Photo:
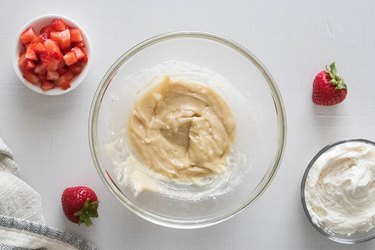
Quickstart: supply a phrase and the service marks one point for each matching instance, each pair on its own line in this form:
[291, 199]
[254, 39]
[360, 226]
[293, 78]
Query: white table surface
[294, 39]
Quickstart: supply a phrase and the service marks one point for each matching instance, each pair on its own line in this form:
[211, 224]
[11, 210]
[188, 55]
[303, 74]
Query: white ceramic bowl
[37, 23]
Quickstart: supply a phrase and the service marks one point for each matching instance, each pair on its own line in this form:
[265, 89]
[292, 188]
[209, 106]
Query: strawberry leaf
[336, 79]
[89, 210]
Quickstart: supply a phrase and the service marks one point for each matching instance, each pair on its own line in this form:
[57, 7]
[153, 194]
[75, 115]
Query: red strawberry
[80, 204]
[329, 88]
[79, 53]
[76, 68]
[52, 75]
[37, 47]
[30, 54]
[70, 58]
[29, 65]
[58, 24]
[28, 35]
[65, 39]
[75, 35]
[46, 85]
[64, 80]
[34, 79]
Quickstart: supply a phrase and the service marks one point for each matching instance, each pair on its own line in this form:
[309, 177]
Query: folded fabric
[17, 199]
[21, 218]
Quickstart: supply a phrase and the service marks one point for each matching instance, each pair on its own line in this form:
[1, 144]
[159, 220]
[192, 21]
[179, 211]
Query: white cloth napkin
[21, 217]
[17, 199]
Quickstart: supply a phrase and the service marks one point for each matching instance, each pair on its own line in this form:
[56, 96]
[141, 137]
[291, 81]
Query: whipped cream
[340, 188]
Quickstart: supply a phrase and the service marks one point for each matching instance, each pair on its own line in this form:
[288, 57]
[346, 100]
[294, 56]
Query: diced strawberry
[70, 58]
[63, 70]
[51, 45]
[29, 65]
[30, 77]
[44, 32]
[55, 35]
[46, 85]
[27, 36]
[22, 61]
[45, 29]
[64, 80]
[79, 53]
[30, 54]
[53, 49]
[44, 36]
[65, 39]
[58, 24]
[78, 44]
[22, 52]
[75, 35]
[76, 68]
[42, 77]
[62, 38]
[40, 69]
[52, 75]
[37, 47]
[49, 60]
[37, 39]
[84, 59]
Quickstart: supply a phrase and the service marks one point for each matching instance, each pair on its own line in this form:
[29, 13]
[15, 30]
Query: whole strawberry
[80, 204]
[329, 88]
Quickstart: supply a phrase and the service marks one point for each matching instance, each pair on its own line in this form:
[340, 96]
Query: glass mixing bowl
[234, 73]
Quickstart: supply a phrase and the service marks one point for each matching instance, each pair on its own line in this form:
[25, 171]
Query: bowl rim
[267, 178]
[335, 238]
[78, 79]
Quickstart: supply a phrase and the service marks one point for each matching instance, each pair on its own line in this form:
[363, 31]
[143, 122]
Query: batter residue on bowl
[182, 130]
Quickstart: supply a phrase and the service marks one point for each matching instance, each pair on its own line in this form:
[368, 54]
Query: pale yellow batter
[182, 130]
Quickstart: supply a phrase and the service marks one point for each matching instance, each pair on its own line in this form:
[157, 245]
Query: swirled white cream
[340, 188]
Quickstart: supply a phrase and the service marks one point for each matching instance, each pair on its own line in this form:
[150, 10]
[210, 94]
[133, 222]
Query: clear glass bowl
[340, 238]
[251, 93]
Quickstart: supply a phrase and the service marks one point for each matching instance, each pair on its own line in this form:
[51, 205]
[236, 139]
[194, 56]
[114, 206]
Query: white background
[294, 39]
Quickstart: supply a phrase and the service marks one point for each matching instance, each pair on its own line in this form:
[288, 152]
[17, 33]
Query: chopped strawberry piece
[37, 47]
[40, 69]
[52, 75]
[22, 61]
[75, 35]
[44, 32]
[45, 29]
[29, 65]
[76, 68]
[65, 39]
[70, 58]
[37, 39]
[63, 70]
[49, 60]
[62, 38]
[55, 36]
[44, 36]
[79, 53]
[30, 54]
[53, 49]
[58, 24]
[84, 59]
[51, 45]
[27, 36]
[78, 44]
[32, 78]
[46, 85]
[64, 80]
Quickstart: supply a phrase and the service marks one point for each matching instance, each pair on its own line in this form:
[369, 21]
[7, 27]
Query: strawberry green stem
[89, 210]
[336, 79]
